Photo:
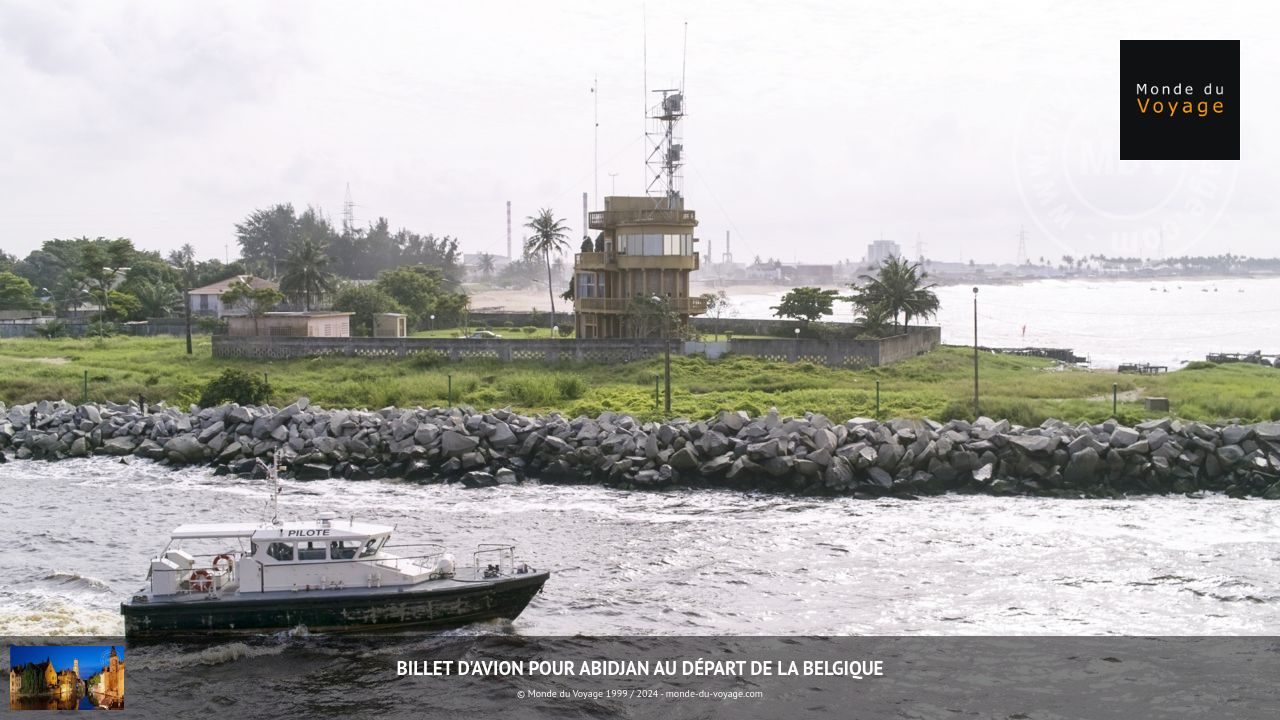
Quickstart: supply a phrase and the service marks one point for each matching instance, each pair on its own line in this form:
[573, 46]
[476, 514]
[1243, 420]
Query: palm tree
[306, 272]
[159, 300]
[486, 264]
[182, 257]
[549, 235]
[896, 289]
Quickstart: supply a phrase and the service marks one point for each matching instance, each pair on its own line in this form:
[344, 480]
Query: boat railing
[494, 555]
[414, 564]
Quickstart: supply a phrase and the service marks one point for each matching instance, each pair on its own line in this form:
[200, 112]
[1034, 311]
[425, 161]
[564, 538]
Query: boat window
[310, 552]
[371, 547]
[343, 549]
[280, 551]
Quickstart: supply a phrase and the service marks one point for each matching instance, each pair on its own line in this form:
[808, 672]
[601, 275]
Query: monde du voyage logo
[1179, 99]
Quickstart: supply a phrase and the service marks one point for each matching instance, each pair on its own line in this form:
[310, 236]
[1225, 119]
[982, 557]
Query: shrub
[570, 387]
[50, 330]
[101, 328]
[1200, 365]
[211, 325]
[236, 386]
[528, 330]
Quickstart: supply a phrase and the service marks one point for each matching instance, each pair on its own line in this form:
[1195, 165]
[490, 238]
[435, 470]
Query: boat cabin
[325, 553]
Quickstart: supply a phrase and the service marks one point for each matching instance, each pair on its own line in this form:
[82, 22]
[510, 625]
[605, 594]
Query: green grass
[937, 385]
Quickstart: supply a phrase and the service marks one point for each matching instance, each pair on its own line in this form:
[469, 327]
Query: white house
[207, 300]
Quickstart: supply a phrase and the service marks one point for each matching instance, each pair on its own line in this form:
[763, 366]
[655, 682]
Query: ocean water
[1162, 322]
[692, 562]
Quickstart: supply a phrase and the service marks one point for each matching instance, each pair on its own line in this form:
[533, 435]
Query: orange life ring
[220, 558]
[201, 581]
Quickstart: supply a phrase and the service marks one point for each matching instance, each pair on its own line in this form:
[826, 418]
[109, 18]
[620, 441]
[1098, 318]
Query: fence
[80, 329]
[843, 353]
[836, 353]
[280, 348]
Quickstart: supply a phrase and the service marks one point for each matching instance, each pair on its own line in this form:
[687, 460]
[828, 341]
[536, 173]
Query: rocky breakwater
[809, 454]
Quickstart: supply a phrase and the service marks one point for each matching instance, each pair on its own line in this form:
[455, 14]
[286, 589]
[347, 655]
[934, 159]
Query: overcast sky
[813, 127]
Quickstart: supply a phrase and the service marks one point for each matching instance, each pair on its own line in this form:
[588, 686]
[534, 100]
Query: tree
[255, 302]
[100, 264]
[122, 306]
[365, 301]
[420, 291]
[306, 274]
[264, 236]
[650, 315]
[897, 289]
[717, 306]
[16, 293]
[183, 256]
[7, 261]
[806, 304]
[156, 300]
[549, 236]
[486, 264]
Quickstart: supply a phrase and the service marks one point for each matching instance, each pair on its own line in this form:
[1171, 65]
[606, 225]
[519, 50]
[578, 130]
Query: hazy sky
[813, 127]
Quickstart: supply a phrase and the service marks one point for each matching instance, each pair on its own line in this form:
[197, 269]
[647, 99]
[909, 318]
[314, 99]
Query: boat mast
[274, 474]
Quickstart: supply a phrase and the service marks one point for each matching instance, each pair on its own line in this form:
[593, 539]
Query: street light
[666, 353]
[433, 323]
[796, 347]
[976, 413]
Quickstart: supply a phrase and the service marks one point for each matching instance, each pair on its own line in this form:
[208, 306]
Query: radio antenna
[684, 55]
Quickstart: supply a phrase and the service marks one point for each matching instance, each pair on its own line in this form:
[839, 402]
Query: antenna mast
[595, 96]
[348, 213]
[666, 144]
[1022, 246]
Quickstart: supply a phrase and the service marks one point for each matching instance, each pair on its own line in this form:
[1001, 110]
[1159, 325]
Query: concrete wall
[836, 353]
[280, 348]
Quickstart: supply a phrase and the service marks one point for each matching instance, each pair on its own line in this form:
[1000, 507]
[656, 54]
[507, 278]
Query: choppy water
[78, 534]
[1163, 322]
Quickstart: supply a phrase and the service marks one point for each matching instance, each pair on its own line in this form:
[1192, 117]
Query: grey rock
[454, 443]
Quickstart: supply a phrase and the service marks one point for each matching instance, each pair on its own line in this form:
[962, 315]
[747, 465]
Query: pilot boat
[327, 574]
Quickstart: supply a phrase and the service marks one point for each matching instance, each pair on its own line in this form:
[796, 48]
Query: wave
[61, 620]
[66, 580]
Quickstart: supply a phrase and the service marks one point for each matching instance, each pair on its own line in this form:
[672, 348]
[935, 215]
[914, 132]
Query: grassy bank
[937, 385]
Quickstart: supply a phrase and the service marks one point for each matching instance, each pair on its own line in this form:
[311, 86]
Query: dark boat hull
[349, 610]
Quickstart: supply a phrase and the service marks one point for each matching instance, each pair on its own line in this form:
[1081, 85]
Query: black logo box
[1192, 65]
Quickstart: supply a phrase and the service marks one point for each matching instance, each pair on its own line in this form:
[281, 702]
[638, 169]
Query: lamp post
[796, 347]
[433, 323]
[666, 354]
[976, 412]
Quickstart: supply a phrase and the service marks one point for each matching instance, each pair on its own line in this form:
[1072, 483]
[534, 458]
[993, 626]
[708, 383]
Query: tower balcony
[615, 261]
[680, 305]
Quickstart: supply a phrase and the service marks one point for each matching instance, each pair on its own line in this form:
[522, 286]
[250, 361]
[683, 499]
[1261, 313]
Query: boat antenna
[274, 474]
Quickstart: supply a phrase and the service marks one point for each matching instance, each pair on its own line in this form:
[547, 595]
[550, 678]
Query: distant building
[390, 325]
[769, 270]
[207, 300]
[809, 274]
[292, 324]
[646, 252]
[880, 250]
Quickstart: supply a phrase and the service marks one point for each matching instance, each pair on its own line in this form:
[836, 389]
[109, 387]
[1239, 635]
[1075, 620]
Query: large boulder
[184, 449]
[121, 445]
[1082, 467]
[455, 444]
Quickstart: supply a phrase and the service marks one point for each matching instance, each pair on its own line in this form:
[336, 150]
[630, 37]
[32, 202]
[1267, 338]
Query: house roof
[222, 286]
